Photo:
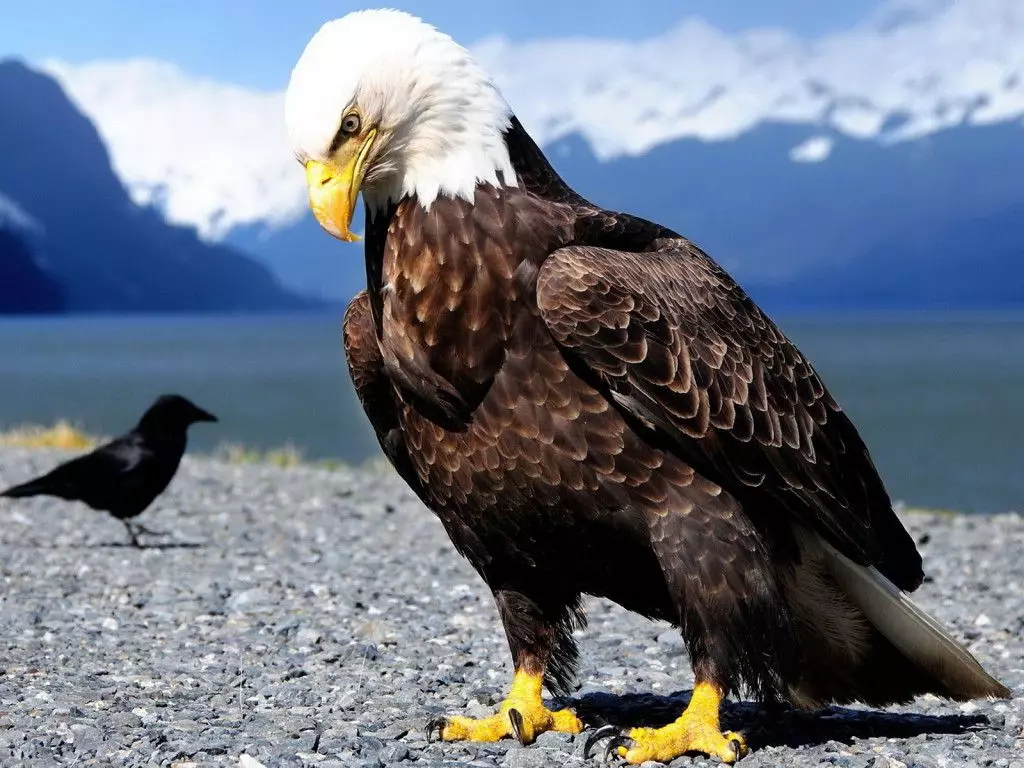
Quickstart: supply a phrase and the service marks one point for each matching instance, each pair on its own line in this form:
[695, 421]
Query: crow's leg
[139, 527]
[132, 534]
[535, 635]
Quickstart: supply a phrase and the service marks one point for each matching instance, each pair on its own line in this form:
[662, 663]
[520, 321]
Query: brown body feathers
[592, 406]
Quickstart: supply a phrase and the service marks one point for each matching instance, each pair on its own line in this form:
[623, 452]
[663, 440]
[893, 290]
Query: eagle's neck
[499, 155]
[533, 171]
[453, 146]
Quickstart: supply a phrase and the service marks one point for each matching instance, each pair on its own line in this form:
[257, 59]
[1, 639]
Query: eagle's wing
[373, 388]
[677, 345]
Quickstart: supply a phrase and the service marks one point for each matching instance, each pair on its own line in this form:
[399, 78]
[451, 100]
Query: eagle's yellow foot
[696, 730]
[522, 715]
[666, 744]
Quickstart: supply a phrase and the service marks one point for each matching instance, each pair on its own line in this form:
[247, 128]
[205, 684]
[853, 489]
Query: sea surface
[938, 399]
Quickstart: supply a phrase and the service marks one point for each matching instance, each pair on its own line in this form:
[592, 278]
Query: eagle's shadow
[765, 726]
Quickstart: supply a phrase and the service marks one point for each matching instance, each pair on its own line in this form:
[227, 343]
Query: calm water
[938, 400]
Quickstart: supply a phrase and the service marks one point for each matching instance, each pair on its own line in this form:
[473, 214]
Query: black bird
[124, 476]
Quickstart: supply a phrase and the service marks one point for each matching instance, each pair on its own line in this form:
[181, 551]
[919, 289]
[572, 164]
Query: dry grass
[235, 453]
[61, 435]
[64, 436]
[902, 508]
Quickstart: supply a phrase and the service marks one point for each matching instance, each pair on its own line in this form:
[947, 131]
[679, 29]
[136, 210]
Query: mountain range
[75, 241]
[933, 223]
[876, 167]
[25, 285]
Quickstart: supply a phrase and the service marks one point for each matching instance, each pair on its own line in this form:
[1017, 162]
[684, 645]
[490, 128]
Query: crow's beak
[201, 415]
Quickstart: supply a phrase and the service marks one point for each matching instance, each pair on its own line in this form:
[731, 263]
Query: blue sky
[256, 42]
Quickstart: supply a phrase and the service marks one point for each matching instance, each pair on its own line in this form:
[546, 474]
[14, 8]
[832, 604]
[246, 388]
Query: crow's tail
[31, 488]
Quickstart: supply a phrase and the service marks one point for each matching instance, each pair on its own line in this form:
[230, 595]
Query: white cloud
[814, 150]
[215, 155]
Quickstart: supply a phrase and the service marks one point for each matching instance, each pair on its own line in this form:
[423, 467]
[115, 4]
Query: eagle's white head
[382, 102]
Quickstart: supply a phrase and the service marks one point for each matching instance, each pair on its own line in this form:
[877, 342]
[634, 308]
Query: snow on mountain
[964, 63]
[13, 216]
[208, 154]
[215, 155]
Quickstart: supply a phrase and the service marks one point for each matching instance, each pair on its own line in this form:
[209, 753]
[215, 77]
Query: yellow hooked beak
[334, 187]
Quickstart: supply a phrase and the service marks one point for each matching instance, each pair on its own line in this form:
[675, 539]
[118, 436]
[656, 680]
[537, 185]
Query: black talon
[596, 736]
[515, 718]
[437, 724]
[736, 747]
[619, 741]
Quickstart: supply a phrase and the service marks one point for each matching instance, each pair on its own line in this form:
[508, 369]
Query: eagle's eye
[350, 124]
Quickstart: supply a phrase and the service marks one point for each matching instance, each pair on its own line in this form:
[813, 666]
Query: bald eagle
[592, 406]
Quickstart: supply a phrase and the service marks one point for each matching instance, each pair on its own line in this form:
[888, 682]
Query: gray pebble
[554, 739]
[307, 637]
[312, 628]
[671, 640]
[394, 753]
[529, 758]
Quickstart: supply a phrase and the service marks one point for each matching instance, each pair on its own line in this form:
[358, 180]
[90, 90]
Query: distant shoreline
[330, 308]
[63, 438]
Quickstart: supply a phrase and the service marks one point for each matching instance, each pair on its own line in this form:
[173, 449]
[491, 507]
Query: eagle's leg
[696, 730]
[522, 714]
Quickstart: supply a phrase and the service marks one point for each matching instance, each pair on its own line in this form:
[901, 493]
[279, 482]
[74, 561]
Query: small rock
[528, 758]
[125, 720]
[554, 739]
[394, 753]
[248, 599]
[671, 640]
[307, 637]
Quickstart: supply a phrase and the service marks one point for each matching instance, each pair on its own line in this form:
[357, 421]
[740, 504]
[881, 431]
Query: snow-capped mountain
[798, 163]
[912, 70]
[178, 141]
[71, 239]
[26, 285]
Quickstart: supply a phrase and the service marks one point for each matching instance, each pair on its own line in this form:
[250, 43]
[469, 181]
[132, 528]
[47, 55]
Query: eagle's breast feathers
[453, 279]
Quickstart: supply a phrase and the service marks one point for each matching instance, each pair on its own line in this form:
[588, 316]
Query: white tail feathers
[916, 634]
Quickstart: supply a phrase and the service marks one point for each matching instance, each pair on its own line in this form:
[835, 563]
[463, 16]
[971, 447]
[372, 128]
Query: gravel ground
[313, 618]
